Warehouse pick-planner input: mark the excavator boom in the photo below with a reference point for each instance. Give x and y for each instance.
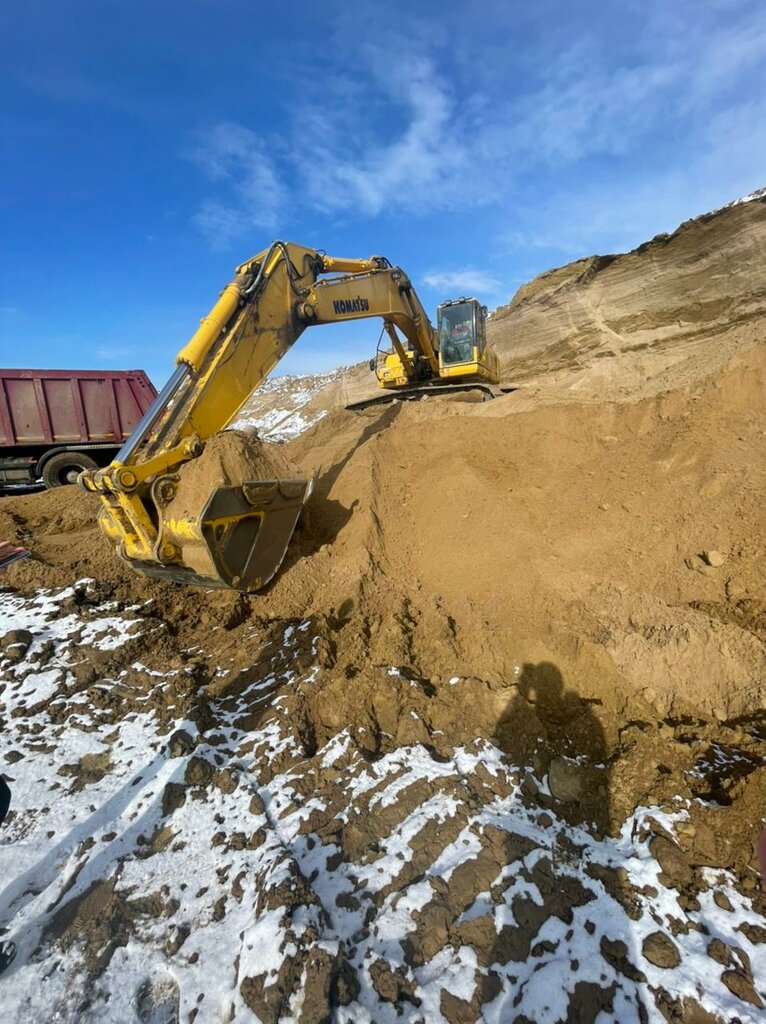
(239, 536)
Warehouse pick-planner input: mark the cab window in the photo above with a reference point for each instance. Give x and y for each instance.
(456, 334)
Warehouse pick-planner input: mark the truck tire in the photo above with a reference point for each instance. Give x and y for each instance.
(65, 467)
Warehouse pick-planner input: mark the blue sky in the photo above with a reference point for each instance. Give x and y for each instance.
(147, 148)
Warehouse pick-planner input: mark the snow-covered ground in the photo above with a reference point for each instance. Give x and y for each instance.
(280, 403)
(169, 860)
(760, 193)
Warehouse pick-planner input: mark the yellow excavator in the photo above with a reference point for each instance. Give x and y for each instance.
(242, 531)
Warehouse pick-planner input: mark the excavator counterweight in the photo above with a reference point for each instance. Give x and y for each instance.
(237, 531)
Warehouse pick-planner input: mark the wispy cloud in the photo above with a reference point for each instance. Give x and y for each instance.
(421, 137)
(616, 215)
(251, 193)
(110, 353)
(425, 165)
(462, 281)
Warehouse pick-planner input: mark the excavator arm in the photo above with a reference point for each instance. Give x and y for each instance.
(259, 316)
(239, 538)
(388, 293)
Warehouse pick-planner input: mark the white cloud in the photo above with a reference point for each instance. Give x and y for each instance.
(683, 71)
(455, 282)
(617, 215)
(237, 159)
(426, 163)
(405, 137)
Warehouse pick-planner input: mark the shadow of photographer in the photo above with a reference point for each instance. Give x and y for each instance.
(557, 731)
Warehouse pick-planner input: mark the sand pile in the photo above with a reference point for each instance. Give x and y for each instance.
(58, 526)
(676, 309)
(620, 543)
(230, 458)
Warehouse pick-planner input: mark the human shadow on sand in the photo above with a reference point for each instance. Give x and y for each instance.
(549, 927)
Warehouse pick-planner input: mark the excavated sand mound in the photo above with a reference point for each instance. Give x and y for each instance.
(672, 311)
(228, 458)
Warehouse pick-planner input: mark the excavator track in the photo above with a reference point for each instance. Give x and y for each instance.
(415, 393)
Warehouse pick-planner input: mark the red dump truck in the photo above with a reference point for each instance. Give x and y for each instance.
(55, 423)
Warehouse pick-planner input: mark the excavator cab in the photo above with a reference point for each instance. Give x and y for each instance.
(462, 339)
(460, 348)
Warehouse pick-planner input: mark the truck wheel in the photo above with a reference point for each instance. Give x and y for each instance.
(65, 467)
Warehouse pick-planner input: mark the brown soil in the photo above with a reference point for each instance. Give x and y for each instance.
(575, 576)
(228, 458)
(674, 309)
(58, 527)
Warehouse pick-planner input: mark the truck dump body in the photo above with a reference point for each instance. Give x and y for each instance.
(46, 413)
(46, 407)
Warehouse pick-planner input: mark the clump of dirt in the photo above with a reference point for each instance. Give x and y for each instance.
(89, 769)
(231, 457)
(100, 920)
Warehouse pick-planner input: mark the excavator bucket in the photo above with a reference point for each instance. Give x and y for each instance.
(240, 538)
(237, 541)
(221, 518)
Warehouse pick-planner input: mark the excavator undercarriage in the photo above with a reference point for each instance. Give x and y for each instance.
(413, 393)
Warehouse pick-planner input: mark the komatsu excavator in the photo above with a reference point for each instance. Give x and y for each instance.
(242, 531)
